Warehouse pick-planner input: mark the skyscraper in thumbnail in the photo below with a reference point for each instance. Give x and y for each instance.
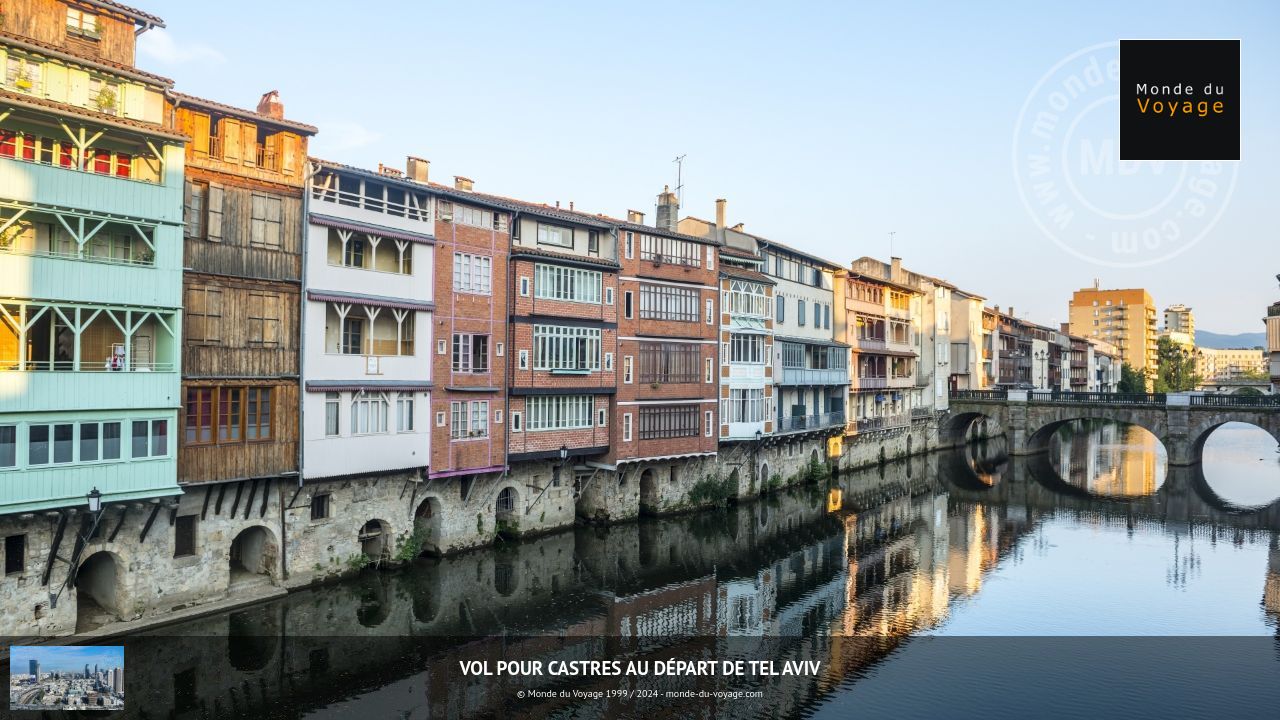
(117, 679)
(35, 669)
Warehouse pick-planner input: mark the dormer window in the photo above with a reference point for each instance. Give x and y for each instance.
(82, 23)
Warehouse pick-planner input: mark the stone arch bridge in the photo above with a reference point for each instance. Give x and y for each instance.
(1181, 422)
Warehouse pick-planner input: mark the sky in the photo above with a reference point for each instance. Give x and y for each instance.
(825, 126)
(69, 658)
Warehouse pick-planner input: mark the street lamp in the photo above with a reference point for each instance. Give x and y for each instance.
(564, 453)
(95, 501)
(95, 508)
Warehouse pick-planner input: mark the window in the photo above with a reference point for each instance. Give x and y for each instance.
(626, 368)
(81, 23)
(524, 287)
(470, 353)
(204, 315)
(440, 419)
(184, 536)
(668, 421)
(626, 305)
(8, 446)
(369, 414)
(497, 416)
(150, 438)
(745, 406)
(669, 250)
(199, 430)
(111, 441)
(608, 361)
(626, 427)
(708, 423)
(559, 412)
(602, 417)
(561, 348)
(472, 273)
(782, 309)
(553, 282)
(15, 554)
(320, 506)
(629, 249)
(230, 414)
(264, 221)
(826, 317)
(711, 258)
(38, 445)
(517, 422)
(593, 242)
(469, 419)
(554, 235)
(709, 370)
(473, 216)
(332, 406)
(800, 313)
(662, 302)
(792, 355)
(352, 335)
(353, 252)
(746, 349)
(745, 298)
(669, 362)
(608, 296)
(257, 424)
(404, 412)
(197, 201)
(523, 360)
(63, 443)
(264, 320)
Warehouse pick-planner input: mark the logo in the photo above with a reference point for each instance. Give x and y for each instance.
(1087, 198)
(1180, 99)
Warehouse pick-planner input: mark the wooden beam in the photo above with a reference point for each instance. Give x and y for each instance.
(79, 547)
(173, 515)
(248, 503)
(124, 512)
(204, 511)
(53, 547)
(236, 505)
(295, 497)
(222, 491)
(146, 527)
(266, 495)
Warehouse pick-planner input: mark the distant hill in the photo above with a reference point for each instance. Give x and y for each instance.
(1204, 338)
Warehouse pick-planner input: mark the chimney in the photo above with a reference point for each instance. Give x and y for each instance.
(895, 269)
(1097, 284)
(570, 206)
(721, 206)
(635, 216)
(462, 183)
(417, 168)
(737, 228)
(668, 210)
(271, 106)
(1011, 313)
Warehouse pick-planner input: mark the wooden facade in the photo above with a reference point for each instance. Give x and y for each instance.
(107, 35)
(244, 225)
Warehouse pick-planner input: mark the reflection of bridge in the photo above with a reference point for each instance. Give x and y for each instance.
(1185, 498)
(1181, 422)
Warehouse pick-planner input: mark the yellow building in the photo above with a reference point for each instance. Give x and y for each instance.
(1125, 318)
(1180, 319)
(1231, 364)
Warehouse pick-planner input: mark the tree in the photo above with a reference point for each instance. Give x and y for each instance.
(1132, 380)
(1175, 367)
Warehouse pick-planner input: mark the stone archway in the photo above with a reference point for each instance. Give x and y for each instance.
(427, 522)
(649, 500)
(100, 596)
(253, 557)
(506, 512)
(374, 540)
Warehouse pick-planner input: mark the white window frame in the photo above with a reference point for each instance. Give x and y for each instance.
(370, 413)
(523, 361)
(710, 369)
(626, 427)
(404, 412)
(556, 282)
(472, 274)
(559, 412)
(558, 348)
(709, 421)
(468, 420)
(517, 424)
(628, 368)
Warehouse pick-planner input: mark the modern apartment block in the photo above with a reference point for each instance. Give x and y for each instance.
(242, 282)
(1231, 363)
(1124, 318)
(91, 257)
(1180, 319)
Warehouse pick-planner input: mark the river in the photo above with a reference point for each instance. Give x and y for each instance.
(1091, 581)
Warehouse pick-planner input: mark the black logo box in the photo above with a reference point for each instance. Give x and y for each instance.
(1187, 68)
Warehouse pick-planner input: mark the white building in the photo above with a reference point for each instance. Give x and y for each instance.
(367, 323)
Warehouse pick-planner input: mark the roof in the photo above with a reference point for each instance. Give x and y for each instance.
(745, 274)
(767, 243)
(369, 300)
(45, 48)
(241, 112)
(881, 281)
(540, 209)
(28, 101)
(369, 229)
(403, 182)
(651, 230)
(810, 341)
(357, 385)
(738, 252)
(134, 14)
(518, 250)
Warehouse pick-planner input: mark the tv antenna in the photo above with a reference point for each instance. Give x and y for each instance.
(679, 161)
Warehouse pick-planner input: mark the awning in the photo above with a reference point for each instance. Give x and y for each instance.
(372, 385)
(369, 229)
(369, 300)
(890, 353)
(749, 326)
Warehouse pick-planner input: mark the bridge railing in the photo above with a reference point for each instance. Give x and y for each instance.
(979, 394)
(1264, 401)
(1098, 398)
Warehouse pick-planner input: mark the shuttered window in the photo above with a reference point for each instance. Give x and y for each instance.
(264, 320)
(265, 225)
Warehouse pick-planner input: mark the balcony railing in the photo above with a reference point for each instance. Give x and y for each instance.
(815, 376)
(886, 422)
(798, 423)
(105, 366)
(1236, 400)
(979, 394)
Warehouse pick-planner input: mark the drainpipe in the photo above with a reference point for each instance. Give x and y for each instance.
(302, 361)
(511, 352)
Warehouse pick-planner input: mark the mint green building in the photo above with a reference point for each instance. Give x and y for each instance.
(91, 208)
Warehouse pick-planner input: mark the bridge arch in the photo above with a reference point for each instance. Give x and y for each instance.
(956, 429)
(1043, 422)
(1200, 432)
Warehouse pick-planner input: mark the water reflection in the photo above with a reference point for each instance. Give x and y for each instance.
(848, 574)
(1242, 465)
(1109, 459)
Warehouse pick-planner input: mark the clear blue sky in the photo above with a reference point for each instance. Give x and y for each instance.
(70, 658)
(825, 125)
